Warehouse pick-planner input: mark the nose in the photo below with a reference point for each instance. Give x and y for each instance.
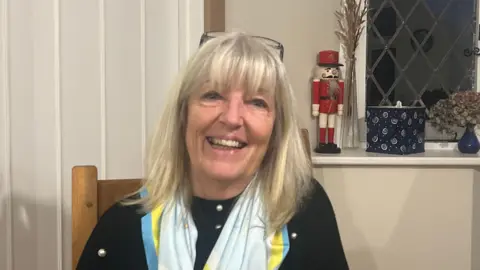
(233, 112)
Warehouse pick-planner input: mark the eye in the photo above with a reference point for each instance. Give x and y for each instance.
(211, 95)
(259, 103)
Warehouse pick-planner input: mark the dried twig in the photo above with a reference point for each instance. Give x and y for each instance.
(350, 19)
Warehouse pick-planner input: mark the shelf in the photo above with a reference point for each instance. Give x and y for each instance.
(359, 157)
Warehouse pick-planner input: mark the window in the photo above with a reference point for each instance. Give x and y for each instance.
(417, 52)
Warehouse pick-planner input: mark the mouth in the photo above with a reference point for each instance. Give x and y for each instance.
(225, 144)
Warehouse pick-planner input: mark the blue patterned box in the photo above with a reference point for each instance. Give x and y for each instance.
(395, 129)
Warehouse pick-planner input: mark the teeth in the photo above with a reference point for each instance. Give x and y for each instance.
(228, 143)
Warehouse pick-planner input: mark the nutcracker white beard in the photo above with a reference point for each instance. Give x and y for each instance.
(333, 87)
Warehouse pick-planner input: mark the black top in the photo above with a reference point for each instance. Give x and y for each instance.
(209, 217)
(314, 238)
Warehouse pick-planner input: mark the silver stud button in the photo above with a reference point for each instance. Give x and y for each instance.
(219, 207)
(294, 235)
(218, 226)
(102, 252)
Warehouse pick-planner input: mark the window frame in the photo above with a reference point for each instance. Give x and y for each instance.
(361, 69)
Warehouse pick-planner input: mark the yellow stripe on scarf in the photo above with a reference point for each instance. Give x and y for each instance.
(156, 213)
(277, 251)
(276, 256)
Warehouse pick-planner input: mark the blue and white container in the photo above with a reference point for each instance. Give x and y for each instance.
(398, 130)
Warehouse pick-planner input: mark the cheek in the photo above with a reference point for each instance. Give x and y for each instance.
(195, 117)
(199, 119)
(262, 132)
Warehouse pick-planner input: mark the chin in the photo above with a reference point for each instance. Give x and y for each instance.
(225, 173)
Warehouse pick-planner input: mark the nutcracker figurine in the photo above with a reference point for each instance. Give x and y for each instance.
(327, 99)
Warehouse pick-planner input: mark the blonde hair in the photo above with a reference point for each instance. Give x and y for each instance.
(234, 59)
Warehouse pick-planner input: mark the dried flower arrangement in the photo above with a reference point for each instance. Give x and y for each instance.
(351, 22)
(461, 109)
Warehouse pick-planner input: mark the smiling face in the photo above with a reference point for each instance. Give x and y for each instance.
(229, 113)
(228, 132)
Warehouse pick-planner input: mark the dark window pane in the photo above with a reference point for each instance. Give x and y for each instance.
(415, 51)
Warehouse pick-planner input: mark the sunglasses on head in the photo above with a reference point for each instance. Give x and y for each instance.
(268, 41)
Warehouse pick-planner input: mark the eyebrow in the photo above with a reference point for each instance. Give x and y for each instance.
(264, 92)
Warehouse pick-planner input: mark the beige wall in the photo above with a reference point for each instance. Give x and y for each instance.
(404, 217)
(390, 217)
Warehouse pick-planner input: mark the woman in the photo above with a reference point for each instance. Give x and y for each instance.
(228, 183)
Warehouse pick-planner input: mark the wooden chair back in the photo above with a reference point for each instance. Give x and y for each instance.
(91, 197)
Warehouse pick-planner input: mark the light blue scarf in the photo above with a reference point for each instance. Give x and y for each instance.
(170, 235)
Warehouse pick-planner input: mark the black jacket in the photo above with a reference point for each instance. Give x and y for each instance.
(315, 243)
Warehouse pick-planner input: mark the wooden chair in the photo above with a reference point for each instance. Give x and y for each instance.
(91, 197)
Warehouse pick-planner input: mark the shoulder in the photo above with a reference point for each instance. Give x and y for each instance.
(317, 194)
(120, 211)
(317, 238)
(120, 216)
(316, 206)
(118, 234)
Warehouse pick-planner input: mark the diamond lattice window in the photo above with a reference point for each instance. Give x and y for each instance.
(418, 52)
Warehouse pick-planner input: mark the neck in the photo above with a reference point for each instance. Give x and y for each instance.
(213, 189)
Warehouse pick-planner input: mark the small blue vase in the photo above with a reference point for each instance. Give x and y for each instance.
(469, 143)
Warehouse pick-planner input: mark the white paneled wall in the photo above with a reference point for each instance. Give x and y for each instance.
(81, 82)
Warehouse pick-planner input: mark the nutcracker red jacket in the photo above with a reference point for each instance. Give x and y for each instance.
(116, 242)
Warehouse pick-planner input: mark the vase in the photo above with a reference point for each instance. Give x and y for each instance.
(350, 136)
(469, 143)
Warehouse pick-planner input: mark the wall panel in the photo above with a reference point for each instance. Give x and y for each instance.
(46, 178)
(5, 179)
(123, 89)
(22, 143)
(81, 83)
(162, 63)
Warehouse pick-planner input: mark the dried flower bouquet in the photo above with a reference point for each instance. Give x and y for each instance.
(461, 109)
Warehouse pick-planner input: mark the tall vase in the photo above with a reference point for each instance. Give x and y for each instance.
(350, 136)
(469, 143)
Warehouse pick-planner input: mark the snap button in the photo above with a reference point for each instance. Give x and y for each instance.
(102, 253)
(218, 226)
(219, 207)
(294, 235)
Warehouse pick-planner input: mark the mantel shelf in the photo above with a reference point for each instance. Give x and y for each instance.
(359, 157)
